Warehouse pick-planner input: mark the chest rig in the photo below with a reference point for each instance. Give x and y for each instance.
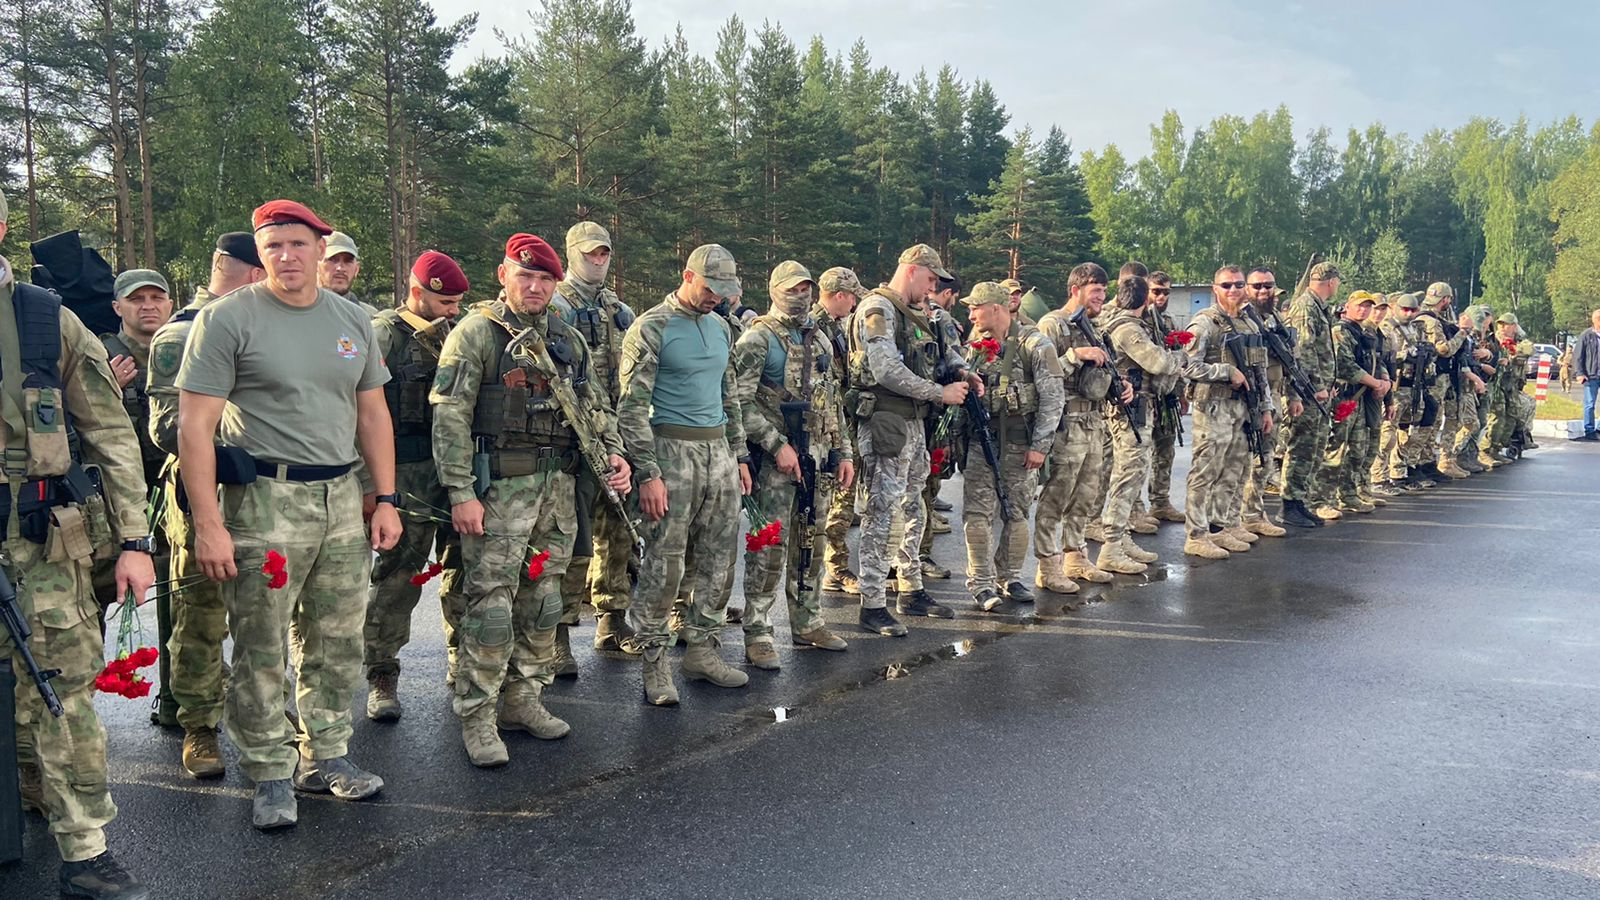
(1089, 382)
(135, 400)
(921, 347)
(821, 387)
(516, 418)
(411, 369)
(602, 323)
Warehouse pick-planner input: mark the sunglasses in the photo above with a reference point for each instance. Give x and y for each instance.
(1160, 292)
(1263, 285)
(1230, 285)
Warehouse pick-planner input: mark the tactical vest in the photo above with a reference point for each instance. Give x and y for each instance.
(1255, 353)
(822, 422)
(1146, 383)
(921, 348)
(1008, 386)
(135, 400)
(515, 411)
(1089, 382)
(1365, 357)
(602, 324)
(411, 372)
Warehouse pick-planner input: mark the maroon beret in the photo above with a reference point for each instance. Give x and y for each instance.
(288, 212)
(531, 252)
(440, 274)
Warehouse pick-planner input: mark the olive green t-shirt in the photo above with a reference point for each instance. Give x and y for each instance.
(290, 374)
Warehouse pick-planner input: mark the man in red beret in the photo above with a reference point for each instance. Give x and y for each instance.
(410, 339)
(507, 459)
(280, 382)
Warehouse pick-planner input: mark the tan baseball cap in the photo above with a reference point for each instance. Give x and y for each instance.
(338, 243)
(986, 292)
(1011, 285)
(587, 237)
(787, 275)
(927, 257)
(1439, 290)
(1360, 297)
(838, 279)
(715, 264)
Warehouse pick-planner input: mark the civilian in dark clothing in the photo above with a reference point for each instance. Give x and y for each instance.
(1586, 365)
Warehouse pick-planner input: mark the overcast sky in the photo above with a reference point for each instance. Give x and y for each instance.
(1105, 71)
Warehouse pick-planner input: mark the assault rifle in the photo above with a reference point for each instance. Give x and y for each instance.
(978, 416)
(1422, 354)
(1255, 392)
(1080, 321)
(529, 347)
(805, 489)
(1171, 408)
(1283, 351)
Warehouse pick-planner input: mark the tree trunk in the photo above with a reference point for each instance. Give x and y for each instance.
(141, 107)
(25, 31)
(117, 138)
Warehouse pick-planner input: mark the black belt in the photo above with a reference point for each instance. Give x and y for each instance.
(278, 472)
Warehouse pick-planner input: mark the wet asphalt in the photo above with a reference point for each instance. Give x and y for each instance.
(1403, 705)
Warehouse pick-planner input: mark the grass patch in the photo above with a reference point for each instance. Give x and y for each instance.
(1556, 405)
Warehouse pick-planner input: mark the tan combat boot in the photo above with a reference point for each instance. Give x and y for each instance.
(1139, 523)
(1076, 566)
(761, 654)
(1136, 551)
(383, 702)
(1489, 460)
(478, 734)
(523, 708)
(1202, 547)
(202, 757)
(1241, 533)
(1167, 513)
(1113, 558)
(1356, 504)
(1265, 528)
(1094, 531)
(701, 662)
(1328, 513)
(658, 687)
(1051, 578)
(564, 666)
(819, 637)
(1449, 466)
(1229, 543)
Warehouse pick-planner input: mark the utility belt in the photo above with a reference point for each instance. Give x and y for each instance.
(871, 402)
(1082, 406)
(285, 472)
(74, 503)
(691, 432)
(511, 463)
(1213, 390)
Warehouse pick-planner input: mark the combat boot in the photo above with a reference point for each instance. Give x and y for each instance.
(1113, 558)
(659, 689)
(1382, 489)
(338, 776)
(1094, 531)
(383, 703)
(1376, 501)
(1448, 467)
(1050, 577)
(202, 756)
(523, 708)
(1328, 513)
(701, 662)
(761, 654)
(843, 581)
(1201, 546)
(562, 664)
(931, 569)
(1265, 528)
(1167, 513)
(100, 877)
(1136, 551)
(1017, 592)
(921, 603)
(612, 632)
(1229, 543)
(986, 599)
(878, 620)
(1143, 525)
(1241, 533)
(31, 784)
(1076, 565)
(819, 637)
(482, 740)
(1489, 461)
(938, 524)
(1469, 461)
(1356, 504)
(274, 805)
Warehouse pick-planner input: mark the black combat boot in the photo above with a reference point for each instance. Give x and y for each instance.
(921, 603)
(1294, 513)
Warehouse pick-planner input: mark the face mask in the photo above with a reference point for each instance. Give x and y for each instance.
(584, 270)
(789, 303)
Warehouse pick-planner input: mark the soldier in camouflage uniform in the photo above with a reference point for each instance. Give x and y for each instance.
(1378, 494)
(1261, 289)
(337, 270)
(1512, 366)
(1306, 435)
(1359, 378)
(1221, 451)
(507, 453)
(411, 337)
(839, 291)
(1168, 415)
(1487, 368)
(1458, 437)
(1153, 370)
(1024, 396)
(291, 375)
(598, 573)
(199, 619)
(682, 425)
(1400, 338)
(63, 758)
(1421, 443)
(895, 356)
(1457, 385)
(786, 358)
(1070, 498)
(144, 304)
(939, 304)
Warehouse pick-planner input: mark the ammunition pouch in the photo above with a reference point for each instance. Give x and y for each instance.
(512, 463)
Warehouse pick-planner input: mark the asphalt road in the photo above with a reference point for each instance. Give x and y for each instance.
(1400, 706)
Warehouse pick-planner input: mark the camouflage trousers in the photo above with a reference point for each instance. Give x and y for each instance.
(393, 597)
(1071, 495)
(894, 460)
(1221, 461)
(598, 573)
(1419, 444)
(841, 512)
(506, 639)
(1163, 447)
(317, 527)
(1459, 408)
(199, 624)
(1253, 492)
(996, 560)
(1107, 460)
(1130, 469)
(1501, 419)
(1470, 424)
(1347, 450)
(692, 549)
(1388, 462)
(930, 493)
(1306, 437)
(775, 495)
(57, 600)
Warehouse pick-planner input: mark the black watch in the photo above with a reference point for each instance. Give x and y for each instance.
(146, 544)
(391, 499)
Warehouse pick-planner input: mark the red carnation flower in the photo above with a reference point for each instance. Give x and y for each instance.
(990, 348)
(936, 460)
(427, 575)
(536, 564)
(276, 570)
(136, 688)
(1179, 338)
(144, 656)
(1343, 410)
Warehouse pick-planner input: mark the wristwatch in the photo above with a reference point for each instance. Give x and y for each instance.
(146, 544)
(391, 499)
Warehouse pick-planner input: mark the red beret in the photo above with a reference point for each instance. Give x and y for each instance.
(286, 212)
(440, 274)
(531, 252)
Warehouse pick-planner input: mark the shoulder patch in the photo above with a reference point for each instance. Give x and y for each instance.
(166, 357)
(444, 379)
(874, 322)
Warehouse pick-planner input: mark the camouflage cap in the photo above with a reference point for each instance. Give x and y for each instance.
(986, 292)
(1011, 285)
(1380, 299)
(1506, 318)
(715, 264)
(787, 275)
(1479, 314)
(927, 257)
(338, 243)
(1441, 291)
(587, 237)
(839, 279)
(1324, 271)
(133, 279)
(1408, 301)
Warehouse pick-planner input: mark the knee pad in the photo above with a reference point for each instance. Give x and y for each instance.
(492, 627)
(549, 611)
